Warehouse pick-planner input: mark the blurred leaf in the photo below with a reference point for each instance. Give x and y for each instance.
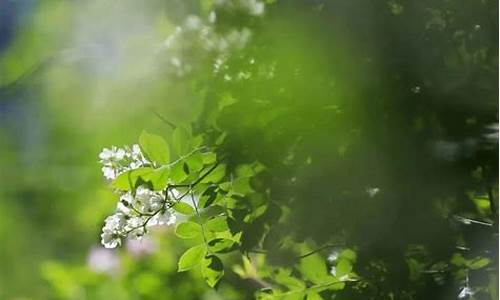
(313, 296)
(478, 263)
(348, 254)
(285, 278)
(209, 158)
(458, 260)
(343, 267)
(181, 139)
(313, 268)
(242, 186)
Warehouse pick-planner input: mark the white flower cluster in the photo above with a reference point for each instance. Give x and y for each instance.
(118, 160)
(251, 7)
(136, 211)
(199, 36)
(134, 214)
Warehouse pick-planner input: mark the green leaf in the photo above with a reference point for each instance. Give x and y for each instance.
(181, 139)
(344, 267)
(217, 224)
(195, 162)
(158, 178)
(313, 296)
(221, 245)
(285, 278)
(479, 263)
(348, 254)
(212, 270)
(177, 173)
(191, 258)
(242, 186)
(209, 158)
(244, 170)
(458, 260)
(313, 268)
(154, 147)
(188, 230)
(183, 208)
(128, 180)
(216, 175)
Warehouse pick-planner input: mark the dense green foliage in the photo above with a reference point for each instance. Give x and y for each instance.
(336, 148)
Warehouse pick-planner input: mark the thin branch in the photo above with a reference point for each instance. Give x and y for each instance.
(199, 218)
(319, 250)
(172, 125)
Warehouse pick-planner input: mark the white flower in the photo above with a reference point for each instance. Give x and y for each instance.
(333, 271)
(113, 230)
(465, 293)
(117, 160)
(372, 191)
(112, 154)
(109, 173)
(333, 256)
(110, 239)
(252, 7)
(135, 227)
(147, 200)
(115, 222)
(164, 217)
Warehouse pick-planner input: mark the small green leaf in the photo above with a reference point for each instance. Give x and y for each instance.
(344, 267)
(188, 230)
(217, 224)
(212, 270)
(177, 173)
(154, 147)
(158, 178)
(209, 158)
(479, 263)
(128, 180)
(313, 268)
(195, 162)
(285, 278)
(221, 245)
(313, 296)
(348, 254)
(208, 197)
(181, 139)
(242, 186)
(215, 175)
(183, 208)
(191, 258)
(458, 260)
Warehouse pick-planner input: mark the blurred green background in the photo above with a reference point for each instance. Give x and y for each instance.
(375, 117)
